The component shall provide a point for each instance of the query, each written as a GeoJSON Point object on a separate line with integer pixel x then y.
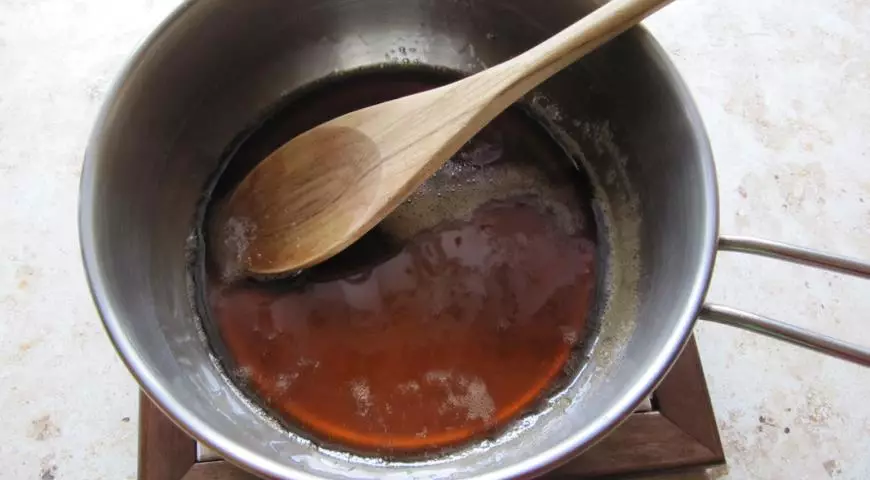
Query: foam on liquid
{"type": "Point", "coordinates": [456, 334]}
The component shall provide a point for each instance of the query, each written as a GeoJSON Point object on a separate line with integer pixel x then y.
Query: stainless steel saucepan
{"type": "Point", "coordinates": [623, 112]}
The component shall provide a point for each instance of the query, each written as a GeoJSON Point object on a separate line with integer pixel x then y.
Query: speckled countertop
{"type": "Point", "coordinates": [784, 88]}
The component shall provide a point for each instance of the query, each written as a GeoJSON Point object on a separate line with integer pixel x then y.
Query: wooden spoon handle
{"type": "Point", "coordinates": [523, 73]}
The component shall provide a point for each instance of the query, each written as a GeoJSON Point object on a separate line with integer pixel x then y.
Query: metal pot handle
{"type": "Point", "coordinates": [783, 331]}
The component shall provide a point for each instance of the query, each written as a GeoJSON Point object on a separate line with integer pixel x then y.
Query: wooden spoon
{"type": "Point", "coordinates": [324, 189]}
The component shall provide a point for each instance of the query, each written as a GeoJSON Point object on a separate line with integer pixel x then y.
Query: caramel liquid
{"type": "Point", "coordinates": [426, 338]}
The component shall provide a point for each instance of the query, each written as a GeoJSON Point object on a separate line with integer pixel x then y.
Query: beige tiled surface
{"type": "Point", "coordinates": [782, 86]}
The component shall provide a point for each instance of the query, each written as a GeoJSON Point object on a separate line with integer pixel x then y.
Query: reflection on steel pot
{"type": "Point", "coordinates": [215, 66]}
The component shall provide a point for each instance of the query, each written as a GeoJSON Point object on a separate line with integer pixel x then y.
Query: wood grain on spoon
{"type": "Point", "coordinates": [327, 187]}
